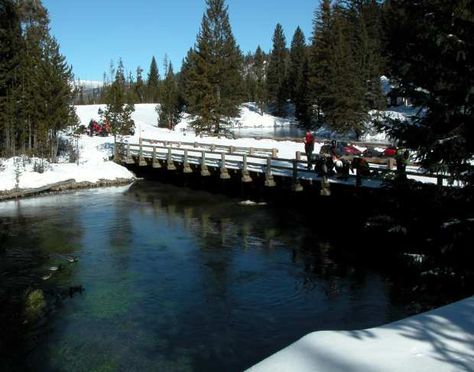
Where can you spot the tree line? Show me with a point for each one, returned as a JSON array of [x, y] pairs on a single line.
[[331, 77], [35, 82]]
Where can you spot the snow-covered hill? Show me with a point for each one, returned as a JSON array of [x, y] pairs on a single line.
[[145, 115]]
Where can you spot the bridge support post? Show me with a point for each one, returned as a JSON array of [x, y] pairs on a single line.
[[224, 172], [128, 158], [439, 180], [325, 190], [204, 170], [141, 159], [155, 163], [274, 153], [169, 162], [186, 166], [269, 181], [296, 182], [391, 163], [245, 172]]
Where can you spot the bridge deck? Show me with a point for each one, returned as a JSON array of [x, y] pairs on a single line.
[[256, 160]]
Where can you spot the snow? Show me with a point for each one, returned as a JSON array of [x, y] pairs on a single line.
[[439, 340], [95, 152], [89, 84]]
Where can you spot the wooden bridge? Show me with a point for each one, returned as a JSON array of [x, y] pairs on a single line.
[[190, 157]]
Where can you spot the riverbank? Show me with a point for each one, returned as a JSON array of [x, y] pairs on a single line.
[[439, 340], [61, 186], [84, 162]]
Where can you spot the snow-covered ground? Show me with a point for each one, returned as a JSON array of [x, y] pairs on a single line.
[[94, 152], [439, 340]]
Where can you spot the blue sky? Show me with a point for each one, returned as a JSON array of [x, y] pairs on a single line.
[[91, 33]]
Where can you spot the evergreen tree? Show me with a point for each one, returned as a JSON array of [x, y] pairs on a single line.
[[213, 77], [366, 19], [131, 94], [117, 112], [140, 88], [250, 79], [431, 54], [344, 101], [10, 57], [319, 55], [298, 77], [56, 110], [32, 132], [169, 112], [260, 82], [277, 87], [153, 83]]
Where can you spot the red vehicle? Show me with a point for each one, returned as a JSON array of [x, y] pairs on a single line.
[[339, 149], [390, 152]]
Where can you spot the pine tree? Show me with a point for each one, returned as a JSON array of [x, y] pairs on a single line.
[[56, 108], [213, 77], [431, 54], [153, 83], [319, 54], [277, 87], [249, 77], [343, 103], [366, 20], [298, 77], [260, 82], [140, 88], [33, 131], [169, 112], [117, 112], [10, 57]]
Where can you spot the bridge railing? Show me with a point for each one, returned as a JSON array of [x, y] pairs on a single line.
[[225, 158], [215, 147]]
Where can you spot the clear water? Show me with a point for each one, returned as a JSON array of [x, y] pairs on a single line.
[[290, 131], [182, 280]]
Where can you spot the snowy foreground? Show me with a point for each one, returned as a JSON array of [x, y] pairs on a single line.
[[94, 165], [436, 341]]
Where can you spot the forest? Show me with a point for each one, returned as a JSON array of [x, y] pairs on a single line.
[[331, 77]]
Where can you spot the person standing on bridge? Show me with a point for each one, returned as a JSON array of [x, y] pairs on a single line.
[[309, 146], [401, 158]]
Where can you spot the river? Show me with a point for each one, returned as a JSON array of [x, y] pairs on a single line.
[[173, 279]]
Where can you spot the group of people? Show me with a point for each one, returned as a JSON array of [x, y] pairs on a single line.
[[342, 167], [96, 129]]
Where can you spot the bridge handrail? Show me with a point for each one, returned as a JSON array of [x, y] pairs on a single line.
[[211, 146], [253, 161]]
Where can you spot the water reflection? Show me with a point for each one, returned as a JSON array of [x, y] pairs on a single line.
[[176, 279]]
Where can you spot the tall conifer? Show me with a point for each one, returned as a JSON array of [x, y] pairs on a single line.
[[260, 82], [140, 89], [277, 87], [431, 46], [298, 77], [10, 57], [214, 70], [319, 54], [343, 102], [153, 83], [169, 112], [117, 112]]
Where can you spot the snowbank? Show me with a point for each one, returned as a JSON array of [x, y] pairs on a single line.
[[439, 340], [93, 164]]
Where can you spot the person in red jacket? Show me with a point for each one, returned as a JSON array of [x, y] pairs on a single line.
[[309, 146]]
